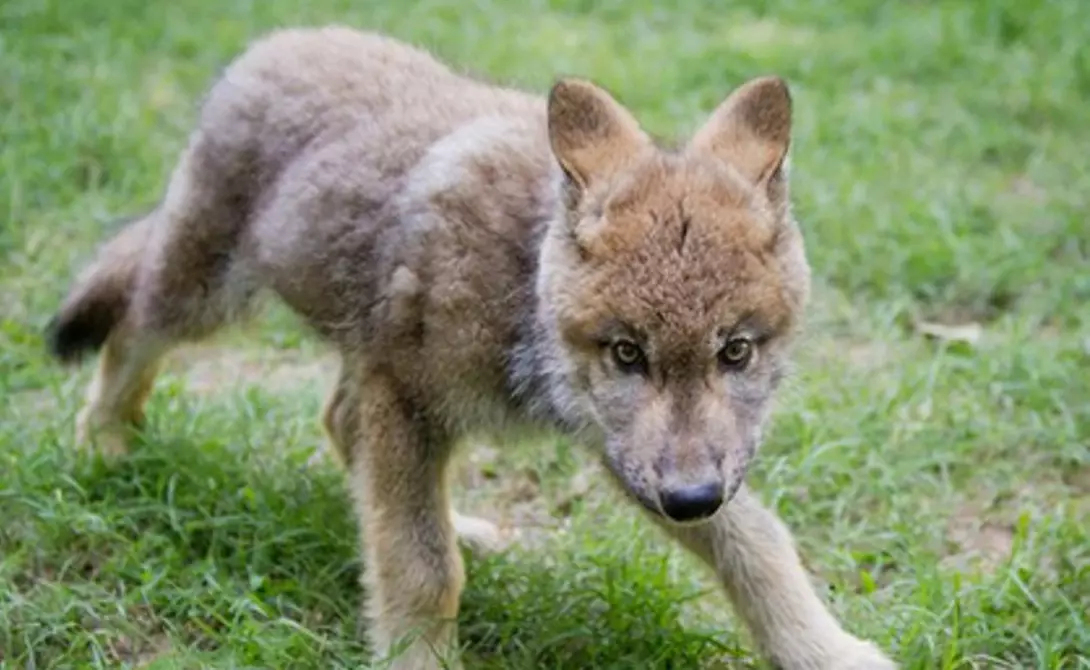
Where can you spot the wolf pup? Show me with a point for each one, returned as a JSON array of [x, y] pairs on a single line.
[[483, 259]]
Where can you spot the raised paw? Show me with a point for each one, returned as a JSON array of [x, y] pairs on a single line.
[[481, 536]]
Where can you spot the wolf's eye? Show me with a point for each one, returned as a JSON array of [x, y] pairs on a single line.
[[628, 356], [736, 353]]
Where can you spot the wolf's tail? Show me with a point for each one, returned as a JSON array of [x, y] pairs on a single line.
[[99, 299]]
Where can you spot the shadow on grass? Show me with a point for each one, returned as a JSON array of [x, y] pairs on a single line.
[[239, 555]]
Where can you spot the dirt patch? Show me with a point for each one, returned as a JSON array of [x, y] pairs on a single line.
[[152, 650], [511, 497], [1079, 480], [532, 498], [1024, 187], [210, 370], [858, 354], [977, 541], [868, 355], [981, 533]]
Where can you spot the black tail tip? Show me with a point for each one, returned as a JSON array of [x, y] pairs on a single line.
[[72, 336]]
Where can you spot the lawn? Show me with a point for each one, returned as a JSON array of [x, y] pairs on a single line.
[[938, 482]]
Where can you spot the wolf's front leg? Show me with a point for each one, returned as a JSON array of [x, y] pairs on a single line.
[[413, 571], [754, 556]]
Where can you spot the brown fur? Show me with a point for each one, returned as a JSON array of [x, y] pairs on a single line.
[[485, 259]]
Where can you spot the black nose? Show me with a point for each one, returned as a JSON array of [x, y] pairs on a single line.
[[692, 502]]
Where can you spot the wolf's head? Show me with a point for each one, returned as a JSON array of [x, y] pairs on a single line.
[[673, 286]]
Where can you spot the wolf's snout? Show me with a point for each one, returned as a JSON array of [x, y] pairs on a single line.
[[692, 503]]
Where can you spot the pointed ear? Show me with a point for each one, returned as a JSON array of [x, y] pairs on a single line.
[[751, 130], [591, 134]]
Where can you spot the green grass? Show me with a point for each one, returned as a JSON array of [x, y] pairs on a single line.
[[940, 492]]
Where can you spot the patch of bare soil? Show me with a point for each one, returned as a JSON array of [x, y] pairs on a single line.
[[512, 498], [151, 651], [516, 497], [977, 540], [981, 532], [1024, 187], [868, 355], [210, 370], [1079, 480]]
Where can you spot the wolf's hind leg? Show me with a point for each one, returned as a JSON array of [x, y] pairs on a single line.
[[176, 275], [114, 403]]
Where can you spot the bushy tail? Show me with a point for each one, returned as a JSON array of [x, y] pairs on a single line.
[[99, 298]]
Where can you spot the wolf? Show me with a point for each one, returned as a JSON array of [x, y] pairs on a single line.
[[484, 259]]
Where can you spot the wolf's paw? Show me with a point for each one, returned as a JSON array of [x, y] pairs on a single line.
[[109, 438], [840, 653], [481, 536], [863, 655]]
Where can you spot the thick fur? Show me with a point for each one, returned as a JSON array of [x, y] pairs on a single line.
[[485, 259]]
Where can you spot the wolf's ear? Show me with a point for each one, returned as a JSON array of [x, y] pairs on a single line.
[[751, 131], [591, 134]]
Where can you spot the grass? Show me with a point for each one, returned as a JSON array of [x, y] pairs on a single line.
[[940, 491]]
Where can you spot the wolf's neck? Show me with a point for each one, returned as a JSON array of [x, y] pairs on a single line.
[[539, 383]]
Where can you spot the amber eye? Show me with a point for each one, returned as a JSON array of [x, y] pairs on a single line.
[[628, 356], [736, 353]]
